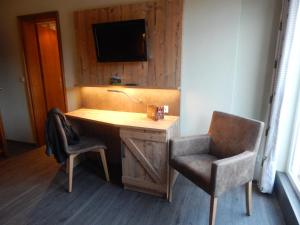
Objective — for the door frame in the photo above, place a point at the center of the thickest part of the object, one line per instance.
(3, 143)
(34, 18)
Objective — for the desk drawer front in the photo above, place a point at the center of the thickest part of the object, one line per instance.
(144, 135)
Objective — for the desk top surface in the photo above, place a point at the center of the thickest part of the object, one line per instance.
(124, 119)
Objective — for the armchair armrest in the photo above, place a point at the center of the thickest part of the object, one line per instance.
(231, 172)
(189, 145)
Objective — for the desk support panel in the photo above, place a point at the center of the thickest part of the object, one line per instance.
(145, 162)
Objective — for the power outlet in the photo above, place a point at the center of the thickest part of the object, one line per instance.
(166, 109)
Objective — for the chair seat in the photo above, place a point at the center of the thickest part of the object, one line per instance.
(196, 167)
(86, 144)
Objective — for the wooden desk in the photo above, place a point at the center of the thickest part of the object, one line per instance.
(144, 146)
(124, 119)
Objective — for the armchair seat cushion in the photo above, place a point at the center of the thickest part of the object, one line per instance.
(196, 167)
(86, 144)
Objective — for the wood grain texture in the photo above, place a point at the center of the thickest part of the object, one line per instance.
(33, 191)
(51, 65)
(248, 193)
(100, 98)
(145, 160)
(70, 171)
(213, 210)
(123, 119)
(106, 124)
(35, 85)
(43, 71)
(164, 33)
(3, 144)
(111, 136)
(173, 132)
(104, 163)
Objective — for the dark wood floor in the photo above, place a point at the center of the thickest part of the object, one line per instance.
(33, 191)
(15, 147)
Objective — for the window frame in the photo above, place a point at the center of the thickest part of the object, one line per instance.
(292, 148)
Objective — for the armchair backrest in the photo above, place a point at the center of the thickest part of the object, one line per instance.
(232, 135)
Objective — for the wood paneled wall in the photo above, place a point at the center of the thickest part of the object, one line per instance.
(164, 34)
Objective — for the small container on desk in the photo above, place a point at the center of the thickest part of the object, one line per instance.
(155, 112)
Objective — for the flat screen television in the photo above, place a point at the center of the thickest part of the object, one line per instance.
(123, 41)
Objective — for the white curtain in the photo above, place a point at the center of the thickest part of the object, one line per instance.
(283, 52)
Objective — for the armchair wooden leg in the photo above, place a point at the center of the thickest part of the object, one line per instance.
(213, 210)
(249, 197)
(170, 194)
(104, 163)
(70, 171)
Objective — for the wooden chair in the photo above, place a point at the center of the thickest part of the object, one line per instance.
(220, 160)
(86, 144)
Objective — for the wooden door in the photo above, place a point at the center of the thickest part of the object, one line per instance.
(51, 65)
(43, 62)
(145, 161)
(34, 80)
(2, 139)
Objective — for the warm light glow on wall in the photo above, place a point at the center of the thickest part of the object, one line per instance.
(48, 24)
(101, 98)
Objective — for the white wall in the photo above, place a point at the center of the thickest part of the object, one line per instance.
(226, 45)
(210, 36)
(228, 49)
(255, 56)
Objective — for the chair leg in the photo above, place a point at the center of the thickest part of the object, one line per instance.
(70, 171)
(67, 166)
(170, 193)
(213, 210)
(248, 197)
(103, 159)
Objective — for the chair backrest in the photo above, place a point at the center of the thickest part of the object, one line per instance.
(232, 135)
(62, 134)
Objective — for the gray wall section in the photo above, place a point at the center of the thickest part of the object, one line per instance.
(255, 56)
(210, 37)
(13, 102)
(226, 47)
(228, 50)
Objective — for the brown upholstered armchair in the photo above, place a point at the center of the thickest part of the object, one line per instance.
(220, 160)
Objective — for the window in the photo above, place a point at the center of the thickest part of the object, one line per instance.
(294, 162)
(293, 83)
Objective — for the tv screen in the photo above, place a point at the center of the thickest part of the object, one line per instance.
(122, 41)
